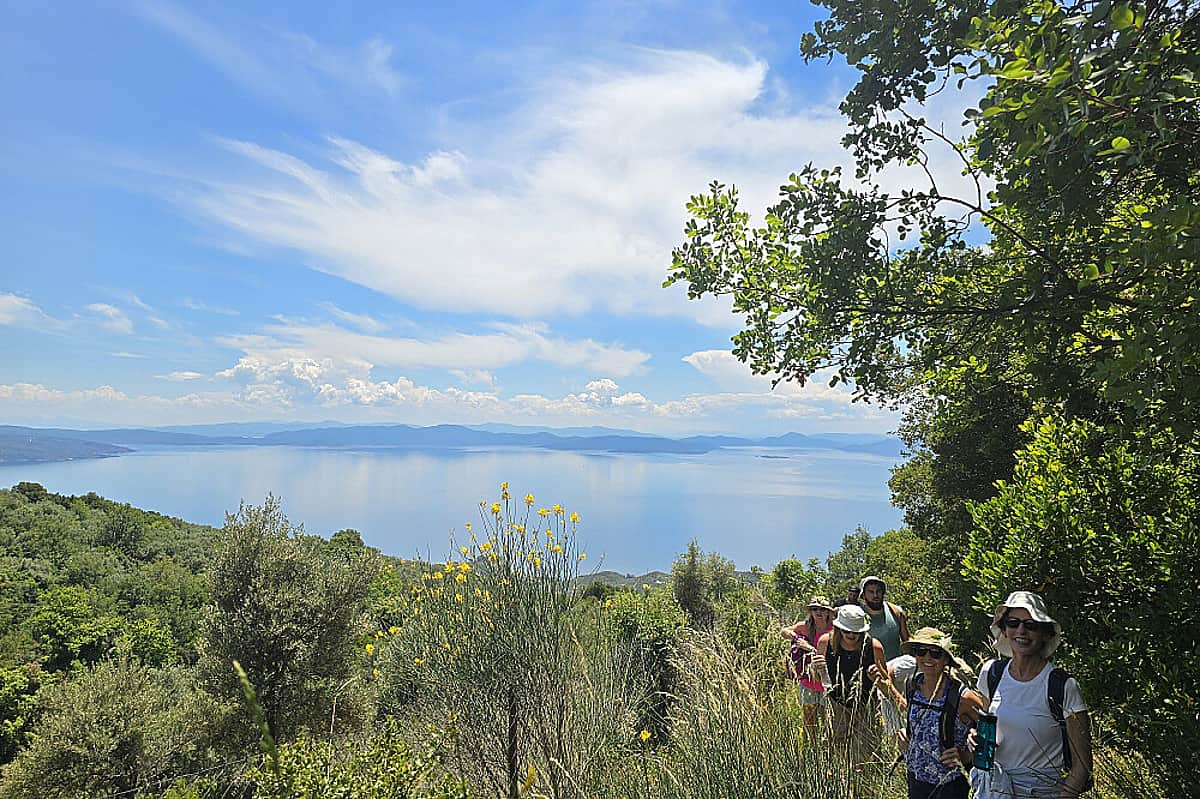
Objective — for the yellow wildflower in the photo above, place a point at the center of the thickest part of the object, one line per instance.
(557, 548)
(583, 556)
(528, 500)
(370, 649)
(437, 575)
(464, 550)
(608, 603)
(460, 578)
(575, 518)
(496, 508)
(537, 561)
(465, 568)
(393, 629)
(417, 661)
(458, 597)
(645, 586)
(558, 509)
(644, 735)
(374, 672)
(543, 512)
(468, 525)
(486, 545)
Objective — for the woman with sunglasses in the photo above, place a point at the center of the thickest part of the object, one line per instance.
(804, 636)
(847, 654)
(1043, 728)
(941, 711)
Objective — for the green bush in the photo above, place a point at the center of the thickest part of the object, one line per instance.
(119, 726)
(1105, 527)
(287, 608)
(385, 766)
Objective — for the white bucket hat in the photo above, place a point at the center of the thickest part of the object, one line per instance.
(1037, 611)
(852, 619)
(871, 578)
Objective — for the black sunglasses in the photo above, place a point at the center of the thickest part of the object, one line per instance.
(1030, 625)
(928, 651)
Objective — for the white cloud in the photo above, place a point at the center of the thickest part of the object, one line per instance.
(508, 344)
(572, 202)
(17, 311)
(308, 388)
(363, 322)
(133, 356)
(179, 377)
(196, 305)
(734, 376)
(286, 67)
(111, 318)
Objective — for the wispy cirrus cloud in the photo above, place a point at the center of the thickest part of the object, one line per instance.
(284, 66)
(18, 311)
(111, 318)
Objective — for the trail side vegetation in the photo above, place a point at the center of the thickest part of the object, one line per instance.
(317, 667)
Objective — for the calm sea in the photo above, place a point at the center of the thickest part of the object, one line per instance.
(753, 506)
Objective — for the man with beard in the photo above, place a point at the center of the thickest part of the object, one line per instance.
(889, 625)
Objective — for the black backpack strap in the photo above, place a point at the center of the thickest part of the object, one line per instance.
(910, 688)
(1057, 694)
(994, 673)
(949, 715)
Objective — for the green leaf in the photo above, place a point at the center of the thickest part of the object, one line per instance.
(1120, 143)
(1122, 17)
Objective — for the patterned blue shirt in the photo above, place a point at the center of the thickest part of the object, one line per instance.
(924, 747)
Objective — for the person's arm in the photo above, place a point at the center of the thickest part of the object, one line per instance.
(792, 632)
(902, 620)
(1079, 736)
(879, 673)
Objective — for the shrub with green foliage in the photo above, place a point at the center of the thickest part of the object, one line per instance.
(287, 606)
(1106, 528)
(384, 766)
(117, 727)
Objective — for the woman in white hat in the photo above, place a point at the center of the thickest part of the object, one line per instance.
(804, 636)
(847, 653)
(1042, 728)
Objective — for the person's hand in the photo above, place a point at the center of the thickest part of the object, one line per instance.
(972, 740)
(951, 757)
(902, 737)
(818, 660)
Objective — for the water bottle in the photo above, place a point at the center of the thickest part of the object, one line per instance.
(985, 742)
(822, 671)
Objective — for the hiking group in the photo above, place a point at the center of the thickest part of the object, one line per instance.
(1021, 727)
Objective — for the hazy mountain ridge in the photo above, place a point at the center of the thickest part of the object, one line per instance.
(34, 445)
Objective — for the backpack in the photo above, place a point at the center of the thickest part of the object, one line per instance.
(948, 714)
(798, 658)
(1056, 694)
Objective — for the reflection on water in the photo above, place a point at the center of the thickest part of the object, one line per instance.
(638, 510)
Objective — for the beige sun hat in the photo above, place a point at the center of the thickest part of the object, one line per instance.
(932, 636)
(1037, 611)
(819, 602)
(852, 619)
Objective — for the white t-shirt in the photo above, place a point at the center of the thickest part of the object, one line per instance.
(1027, 736)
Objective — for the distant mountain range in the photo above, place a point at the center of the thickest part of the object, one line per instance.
(35, 445)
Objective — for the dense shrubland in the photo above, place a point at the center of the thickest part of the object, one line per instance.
(493, 672)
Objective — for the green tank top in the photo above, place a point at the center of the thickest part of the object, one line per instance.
(886, 630)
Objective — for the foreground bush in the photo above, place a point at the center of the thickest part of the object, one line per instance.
(118, 728)
(384, 767)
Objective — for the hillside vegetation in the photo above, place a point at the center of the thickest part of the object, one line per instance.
(146, 657)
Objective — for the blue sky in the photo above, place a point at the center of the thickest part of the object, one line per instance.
(416, 213)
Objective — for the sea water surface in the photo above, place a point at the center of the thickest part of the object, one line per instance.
(638, 511)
